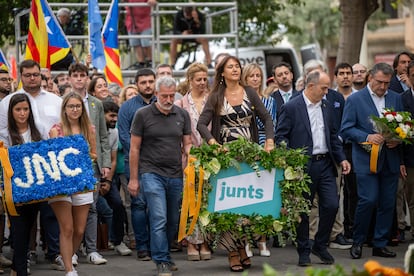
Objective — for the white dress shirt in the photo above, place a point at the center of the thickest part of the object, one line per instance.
(317, 126)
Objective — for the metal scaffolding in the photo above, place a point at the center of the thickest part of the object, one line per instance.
(213, 11)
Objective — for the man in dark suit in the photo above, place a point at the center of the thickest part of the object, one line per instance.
(306, 122)
(399, 81)
(376, 187)
(408, 152)
(283, 77)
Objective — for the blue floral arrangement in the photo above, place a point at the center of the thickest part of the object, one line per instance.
(45, 169)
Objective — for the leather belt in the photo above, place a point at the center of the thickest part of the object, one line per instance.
(317, 157)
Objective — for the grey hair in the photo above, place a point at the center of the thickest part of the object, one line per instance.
(312, 65)
(165, 81)
(63, 11)
(313, 77)
(385, 68)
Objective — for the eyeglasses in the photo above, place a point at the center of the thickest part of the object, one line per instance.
(29, 75)
(356, 72)
(6, 79)
(74, 106)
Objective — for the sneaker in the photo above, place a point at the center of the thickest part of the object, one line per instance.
(96, 258)
(340, 243)
(28, 267)
(75, 260)
(173, 266)
(122, 249)
(32, 256)
(57, 264)
(72, 273)
(143, 255)
(4, 261)
(111, 246)
(164, 269)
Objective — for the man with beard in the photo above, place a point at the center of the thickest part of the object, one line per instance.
(5, 83)
(145, 81)
(360, 73)
(283, 77)
(343, 78)
(160, 133)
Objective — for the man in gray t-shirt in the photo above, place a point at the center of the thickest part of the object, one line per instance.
(159, 133)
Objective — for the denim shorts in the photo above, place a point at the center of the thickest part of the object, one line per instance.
(140, 42)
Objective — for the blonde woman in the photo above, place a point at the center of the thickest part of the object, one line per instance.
(72, 211)
(193, 102)
(128, 92)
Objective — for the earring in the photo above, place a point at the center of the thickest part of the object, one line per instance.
(222, 80)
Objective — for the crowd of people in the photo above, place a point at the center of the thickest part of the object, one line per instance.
(140, 137)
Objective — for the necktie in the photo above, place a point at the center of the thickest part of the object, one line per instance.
(286, 97)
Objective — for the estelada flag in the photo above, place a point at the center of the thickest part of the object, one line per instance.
(46, 42)
(110, 39)
(3, 62)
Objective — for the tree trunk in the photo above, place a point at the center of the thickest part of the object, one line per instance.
(354, 15)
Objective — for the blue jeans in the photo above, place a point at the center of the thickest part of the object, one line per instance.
(118, 219)
(163, 195)
(139, 217)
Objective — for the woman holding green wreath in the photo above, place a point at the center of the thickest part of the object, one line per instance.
(231, 109)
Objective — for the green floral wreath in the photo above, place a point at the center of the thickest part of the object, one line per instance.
(213, 158)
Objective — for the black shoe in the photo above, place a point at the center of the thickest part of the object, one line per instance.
(383, 252)
(304, 260)
(356, 251)
(340, 243)
(324, 255)
(401, 235)
(143, 255)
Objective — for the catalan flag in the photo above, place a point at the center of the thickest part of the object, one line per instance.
(3, 62)
(110, 39)
(46, 42)
(95, 39)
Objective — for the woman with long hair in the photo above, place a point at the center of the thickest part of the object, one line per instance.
(98, 87)
(21, 129)
(232, 109)
(193, 101)
(72, 211)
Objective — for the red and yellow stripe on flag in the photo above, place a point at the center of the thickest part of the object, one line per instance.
(46, 42)
(110, 39)
(113, 67)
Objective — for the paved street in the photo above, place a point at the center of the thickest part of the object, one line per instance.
(283, 260)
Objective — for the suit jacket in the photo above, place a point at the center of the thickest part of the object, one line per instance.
(408, 105)
(280, 101)
(294, 129)
(337, 102)
(97, 118)
(356, 125)
(395, 85)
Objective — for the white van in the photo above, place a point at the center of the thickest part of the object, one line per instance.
(265, 56)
